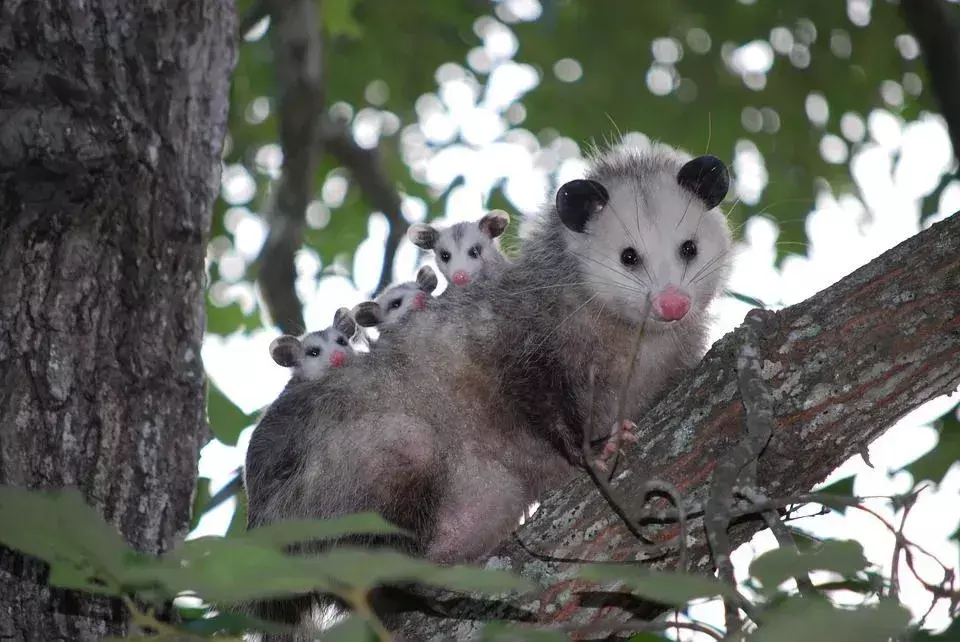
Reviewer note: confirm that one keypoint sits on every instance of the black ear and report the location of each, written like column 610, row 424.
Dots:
column 344, row 322
column 427, row 279
column 369, row 314
column 285, row 350
column 494, row 223
column 423, row 236
column 579, row 200
column 707, row 177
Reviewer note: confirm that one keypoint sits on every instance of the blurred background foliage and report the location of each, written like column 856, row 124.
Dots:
column 801, row 85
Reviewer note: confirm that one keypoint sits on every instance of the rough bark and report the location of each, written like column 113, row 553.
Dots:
column 298, row 63
column 112, row 117
column 843, row 366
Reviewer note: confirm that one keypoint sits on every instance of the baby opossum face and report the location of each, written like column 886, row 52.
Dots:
column 396, row 302
column 645, row 228
column 465, row 249
column 318, row 351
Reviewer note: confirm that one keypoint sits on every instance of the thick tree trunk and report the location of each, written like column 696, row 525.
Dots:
column 842, row 366
column 112, row 117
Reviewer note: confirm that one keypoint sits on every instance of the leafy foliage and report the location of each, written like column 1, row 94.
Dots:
column 780, row 564
column 935, row 464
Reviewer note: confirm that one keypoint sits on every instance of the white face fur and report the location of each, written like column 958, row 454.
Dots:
column 397, row 302
column 465, row 251
column 328, row 348
column 319, row 351
column 651, row 236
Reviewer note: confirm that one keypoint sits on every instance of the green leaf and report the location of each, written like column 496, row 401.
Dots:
column 803, row 620
column 506, row 632
column 84, row 552
column 238, row 523
column 666, row 587
column 365, row 569
column 284, row 534
column 950, row 634
column 841, row 488
column 338, row 18
column 647, row 637
column 223, row 571
column 780, row 564
column 935, row 464
column 351, row 629
column 749, row 300
column 226, row 420
column 200, row 501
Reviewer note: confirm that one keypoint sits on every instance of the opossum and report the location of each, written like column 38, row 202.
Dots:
column 318, row 351
column 471, row 410
column 465, row 251
column 397, row 301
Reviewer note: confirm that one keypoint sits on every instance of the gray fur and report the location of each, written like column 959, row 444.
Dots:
column 470, row 411
column 310, row 356
column 397, row 301
column 465, row 251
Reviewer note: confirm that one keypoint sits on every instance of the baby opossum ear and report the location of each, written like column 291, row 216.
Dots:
column 707, row 177
column 578, row 201
column 285, row 350
column 427, row 279
column 494, row 223
column 423, row 236
column 344, row 322
column 368, row 314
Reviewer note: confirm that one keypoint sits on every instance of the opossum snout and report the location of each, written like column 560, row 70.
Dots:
column 460, row 278
column 419, row 301
column 337, row 358
column 671, row 304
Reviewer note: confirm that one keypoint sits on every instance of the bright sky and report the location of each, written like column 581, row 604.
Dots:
column 900, row 163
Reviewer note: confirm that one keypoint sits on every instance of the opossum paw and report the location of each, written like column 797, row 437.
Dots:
column 623, row 431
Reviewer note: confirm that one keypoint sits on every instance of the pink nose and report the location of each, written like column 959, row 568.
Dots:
column 337, row 358
column 419, row 301
column 460, row 278
column 671, row 304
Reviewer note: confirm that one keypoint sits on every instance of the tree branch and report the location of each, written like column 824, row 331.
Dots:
column 842, row 367
column 297, row 53
column 368, row 171
column 936, row 25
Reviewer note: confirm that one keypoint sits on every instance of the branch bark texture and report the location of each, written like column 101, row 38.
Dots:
column 112, row 118
column 936, row 25
column 368, row 171
column 842, row 367
column 298, row 70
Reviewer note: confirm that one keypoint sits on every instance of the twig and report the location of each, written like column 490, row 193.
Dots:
column 638, row 626
column 783, row 536
column 297, row 53
column 898, row 548
column 367, row 169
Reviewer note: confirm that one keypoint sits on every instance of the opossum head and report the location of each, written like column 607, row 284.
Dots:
column 647, row 232
column 397, row 301
column 318, row 351
column 465, row 251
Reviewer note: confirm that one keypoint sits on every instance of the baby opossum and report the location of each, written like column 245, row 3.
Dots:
column 397, row 301
column 471, row 410
column 318, row 351
column 465, row 251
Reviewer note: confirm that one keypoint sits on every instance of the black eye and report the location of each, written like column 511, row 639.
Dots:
column 395, row 304
column 688, row 250
column 629, row 257
column 313, row 352
column 341, row 341
column 474, row 252
column 444, row 256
